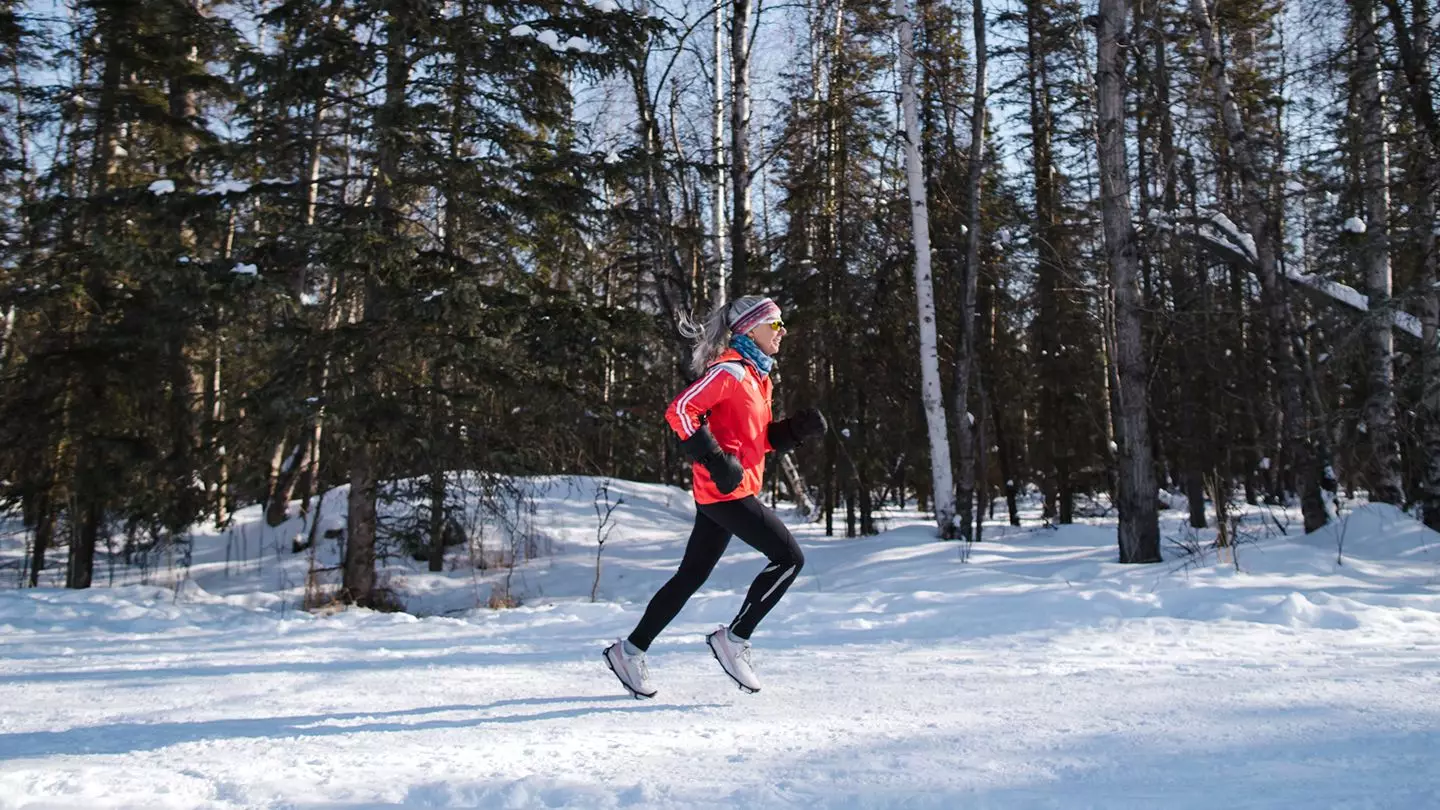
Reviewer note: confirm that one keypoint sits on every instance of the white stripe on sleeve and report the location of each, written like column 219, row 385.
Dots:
column 686, row 422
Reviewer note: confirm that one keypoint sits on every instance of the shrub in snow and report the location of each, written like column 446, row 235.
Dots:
column 1354, row 225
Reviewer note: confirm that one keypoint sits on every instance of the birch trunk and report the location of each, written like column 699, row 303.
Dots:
column 1384, row 461
column 740, row 214
column 1278, row 318
column 1139, row 523
column 719, row 284
column 7, row 331
column 924, row 293
column 215, row 409
column 965, row 423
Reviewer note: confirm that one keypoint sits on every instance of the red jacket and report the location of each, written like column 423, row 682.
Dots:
column 736, row 399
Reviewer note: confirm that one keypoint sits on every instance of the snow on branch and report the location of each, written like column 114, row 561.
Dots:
column 1217, row 228
column 1354, row 299
column 1215, row 232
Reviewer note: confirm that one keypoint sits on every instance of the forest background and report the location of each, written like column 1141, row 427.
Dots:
column 255, row 250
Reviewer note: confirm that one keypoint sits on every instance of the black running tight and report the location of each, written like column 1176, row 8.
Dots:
column 715, row 523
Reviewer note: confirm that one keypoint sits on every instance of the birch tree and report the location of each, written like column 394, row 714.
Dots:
column 740, row 214
column 717, row 156
column 924, row 291
column 1384, row 457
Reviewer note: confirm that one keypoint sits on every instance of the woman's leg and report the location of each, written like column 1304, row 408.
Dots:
column 707, row 542
column 755, row 523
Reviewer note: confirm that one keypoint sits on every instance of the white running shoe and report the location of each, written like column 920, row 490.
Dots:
column 633, row 672
column 734, row 658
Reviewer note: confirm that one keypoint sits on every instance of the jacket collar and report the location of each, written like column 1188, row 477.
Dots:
column 733, row 356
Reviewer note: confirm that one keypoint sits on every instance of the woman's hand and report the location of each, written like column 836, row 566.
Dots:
column 724, row 469
column 808, row 423
column 784, row 435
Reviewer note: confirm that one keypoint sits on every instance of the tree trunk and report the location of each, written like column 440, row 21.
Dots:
column 83, row 540
column 92, row 481
column 985, row 502
column 280, row 478
column 1430, row 365
column 675, row 298
column 1412, row 39
column 1052, row 417
column 360, row 535
column 1193, row 453
column 7, row 331
column 719, row 282
column 1384, row 466
column 358, row 577
column 1139, row 523
column 215, row 407
column 965, row 362
column 740, row 214
column 44, row 535
column 862, row 479
column 924, row 294
column 1278, row 317
column 437, row 519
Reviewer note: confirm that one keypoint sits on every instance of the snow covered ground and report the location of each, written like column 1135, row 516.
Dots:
column 1037, row 674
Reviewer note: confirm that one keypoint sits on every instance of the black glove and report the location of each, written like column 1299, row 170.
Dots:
column 724, row 469
column 785, row 434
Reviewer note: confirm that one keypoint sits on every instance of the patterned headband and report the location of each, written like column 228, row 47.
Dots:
column 760, row 312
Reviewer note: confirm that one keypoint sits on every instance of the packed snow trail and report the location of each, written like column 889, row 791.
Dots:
column 1036, row 675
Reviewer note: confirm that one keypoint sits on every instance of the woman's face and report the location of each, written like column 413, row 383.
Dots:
column 767, row 336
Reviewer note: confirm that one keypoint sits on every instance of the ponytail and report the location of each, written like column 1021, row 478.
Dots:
column 711, row 336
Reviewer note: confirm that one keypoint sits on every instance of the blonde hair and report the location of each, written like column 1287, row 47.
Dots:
column 711, row 336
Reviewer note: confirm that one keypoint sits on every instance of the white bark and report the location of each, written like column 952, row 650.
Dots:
column 1412, row 36
column 796, row 482
column 717, row 153
column 1385, row 482
column 924, row 293
column 740, row 213
column 7, row 327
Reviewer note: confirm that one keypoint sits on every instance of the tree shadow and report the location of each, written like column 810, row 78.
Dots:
column 125, row 738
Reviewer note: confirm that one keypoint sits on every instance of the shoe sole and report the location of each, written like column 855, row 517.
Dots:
column 638, row 695
column 710, row 642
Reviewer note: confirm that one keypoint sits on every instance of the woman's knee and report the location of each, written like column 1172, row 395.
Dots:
column 792, row 557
